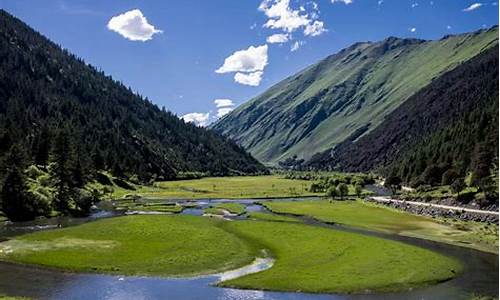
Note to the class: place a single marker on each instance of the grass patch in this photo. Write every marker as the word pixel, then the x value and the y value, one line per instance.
pixel 223 187
pixel 270 217
pixel 321 260
pixel 134 245
pixel 223 208
pixel 166 207
pixel 375 217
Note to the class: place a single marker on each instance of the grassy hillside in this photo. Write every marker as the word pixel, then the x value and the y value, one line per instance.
pixel 451 124
pixel 345 95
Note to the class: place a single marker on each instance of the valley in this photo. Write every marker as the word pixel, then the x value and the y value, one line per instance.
pixel 370 174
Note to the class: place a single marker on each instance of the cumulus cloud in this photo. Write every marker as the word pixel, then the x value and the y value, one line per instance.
pixel 277 38
pixel 283 17
pixel 414 5
pixel 413 29
pixel 472 7
pixel 224 106
pixel 314 29
pixel 249 60
pixel 133 25
pixel 248 64
pixel 223 102
pixel 200 119
pixel 221 112
pixel 252 79
pixel 343 1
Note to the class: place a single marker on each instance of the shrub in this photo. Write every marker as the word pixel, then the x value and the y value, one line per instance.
pixel 449 176
pixel 34 172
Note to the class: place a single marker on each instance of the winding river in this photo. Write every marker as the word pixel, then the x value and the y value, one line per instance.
pixel 480 274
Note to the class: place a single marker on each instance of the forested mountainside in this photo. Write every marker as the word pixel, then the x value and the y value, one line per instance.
pixel 46 91
pixel 63 124
pixel 450 126
pixel 346 94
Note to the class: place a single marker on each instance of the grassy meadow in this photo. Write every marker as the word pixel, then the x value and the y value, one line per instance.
pixel 134 245
pixel 307 258
pixel 269 186
pixel 321 260
pixel 370 216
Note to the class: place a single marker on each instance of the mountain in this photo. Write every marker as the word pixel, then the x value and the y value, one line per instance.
pixel 346 95
pixel 46 92
pixel 450 125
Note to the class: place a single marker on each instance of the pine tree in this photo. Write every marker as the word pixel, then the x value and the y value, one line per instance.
pixel 61 172
pixel 18 203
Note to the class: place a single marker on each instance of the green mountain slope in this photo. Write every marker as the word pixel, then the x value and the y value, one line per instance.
pixel 46 92
pixel 450 126
pixel 347 93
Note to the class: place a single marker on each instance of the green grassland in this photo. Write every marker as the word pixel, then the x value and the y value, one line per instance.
pixel 134 245
pixel 379 218
pixel 165 207
pixel 271 217
pixel 270 186
pixel 307 258
pixel 321 260
pixel 223 208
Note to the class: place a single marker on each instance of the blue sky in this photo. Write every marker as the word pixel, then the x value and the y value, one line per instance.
pixel 169 51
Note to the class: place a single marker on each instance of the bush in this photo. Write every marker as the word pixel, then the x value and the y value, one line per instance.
pixel 83 200
pixel 423 188
pixel 45 180
pixel 332 192
pixel 342 190
pixel 449 176
pixel 34 172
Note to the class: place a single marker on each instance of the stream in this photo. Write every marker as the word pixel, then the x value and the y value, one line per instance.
pixel 480 274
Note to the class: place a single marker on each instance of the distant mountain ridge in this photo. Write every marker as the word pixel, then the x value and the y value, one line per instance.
pixel 46 91
pixel 346 95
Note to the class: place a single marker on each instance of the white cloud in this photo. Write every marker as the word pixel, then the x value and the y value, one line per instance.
pixel 472 7
pixel 277 38
pixel 413 29
pixel 133 26
pixel 296 46
pixel 252 79
pixel 448 27
pixel 223 102
pixel 380 2
pixel 221 112
pixel 343 1
pixel 224 106
pixel 414 5
pixel 200 119
pixel 314 29
pixel 281 16
pixel 249 60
